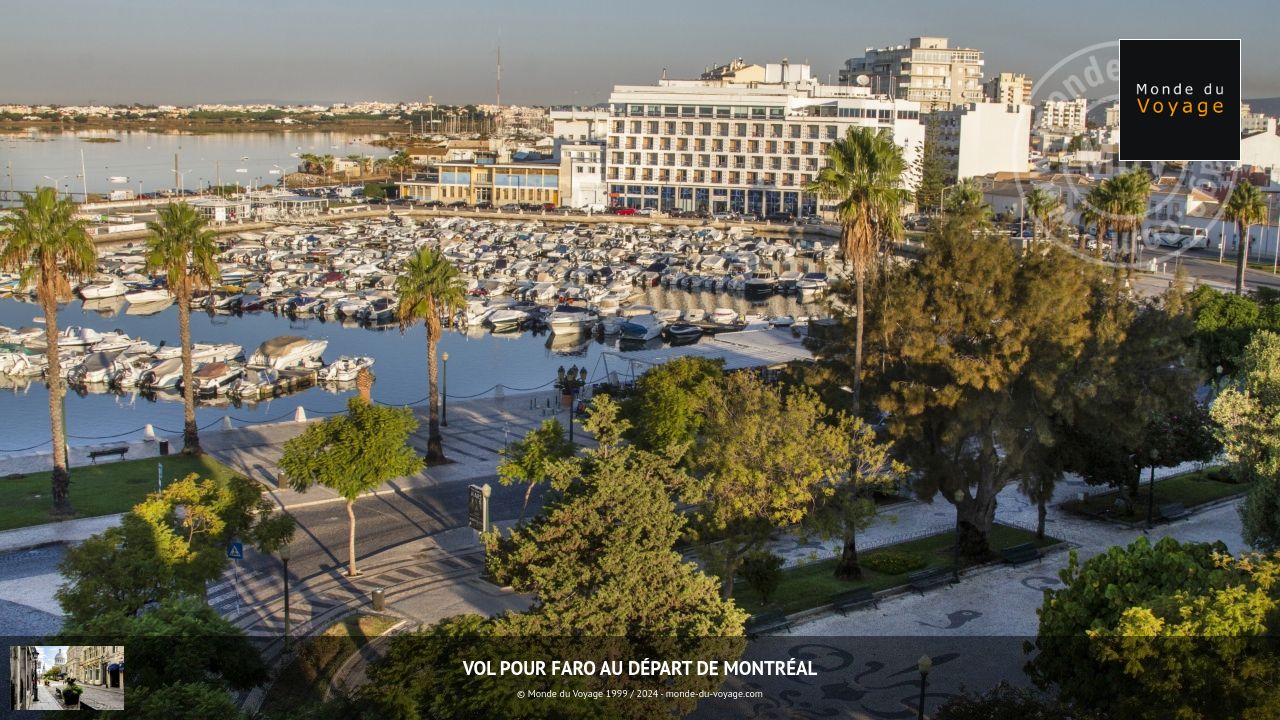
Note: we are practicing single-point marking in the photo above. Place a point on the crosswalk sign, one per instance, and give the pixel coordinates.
(235, 551)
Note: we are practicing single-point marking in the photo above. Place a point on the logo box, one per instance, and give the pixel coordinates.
(1179, 100)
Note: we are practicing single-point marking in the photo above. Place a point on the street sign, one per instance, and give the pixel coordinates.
(235, 551)
(475, 508)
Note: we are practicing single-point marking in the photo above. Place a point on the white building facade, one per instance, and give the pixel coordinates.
(1009, 88)
(744, 138)
(926, 71)
(1063, 116)
(984, 138)
(582, 183)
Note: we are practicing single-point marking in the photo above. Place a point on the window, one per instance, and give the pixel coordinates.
(704, 128)
(706, 111)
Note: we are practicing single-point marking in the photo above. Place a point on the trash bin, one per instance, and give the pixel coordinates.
(164, 447)
(379, 598)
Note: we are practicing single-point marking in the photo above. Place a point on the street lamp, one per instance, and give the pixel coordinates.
(55, 181)
(569, 384)
(284, 559)
(444, 394)
(1151, 486)
(924, 665)
(958, 496)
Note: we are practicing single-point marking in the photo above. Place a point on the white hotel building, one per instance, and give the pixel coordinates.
(742, 138)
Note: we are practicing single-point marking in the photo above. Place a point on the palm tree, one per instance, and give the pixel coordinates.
(965, 204)
(183, 249)
(1042, 206)
(1246, 208)
(1132, 191)
(863, 176)
(44, 242)
(1097, 212)
(430, 290)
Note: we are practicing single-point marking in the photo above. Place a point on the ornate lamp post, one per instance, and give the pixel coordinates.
(284, 560)
(444, 391)
(1151, 487)
(569, 384)
(924, 665)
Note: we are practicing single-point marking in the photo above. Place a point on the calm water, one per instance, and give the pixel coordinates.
(477, 362)
(36, 158)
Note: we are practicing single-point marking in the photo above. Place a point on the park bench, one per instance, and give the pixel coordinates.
(858, 597)
(767, 621)
(922, 580)
(1174, 511)
(107, 452)
(1018, 554)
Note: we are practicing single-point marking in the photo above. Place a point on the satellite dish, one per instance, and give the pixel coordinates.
(863, 80)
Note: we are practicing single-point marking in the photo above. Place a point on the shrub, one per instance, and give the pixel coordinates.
(762, 572)
(894, 562)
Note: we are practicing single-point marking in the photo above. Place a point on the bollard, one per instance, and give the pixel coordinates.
(148, 433)
(164, 447)
(226, 422)
(379, 598)
(300, 414)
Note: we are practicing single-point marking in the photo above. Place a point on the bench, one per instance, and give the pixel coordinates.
(767, 621)
(922, 580)
(1174, 511)
(858, 597)
(107, 452)
(1018, 554)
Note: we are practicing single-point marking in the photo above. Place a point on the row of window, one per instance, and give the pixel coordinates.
(740, 162)
(795, 131)
(714, 177)
(700, 111)
(752, 147)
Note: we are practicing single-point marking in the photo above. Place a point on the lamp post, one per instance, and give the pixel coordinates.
(1151, 487)
(444, 391)
(570, 383)
(55, 181)
(284, 560)
(924, 665)
(958, 496)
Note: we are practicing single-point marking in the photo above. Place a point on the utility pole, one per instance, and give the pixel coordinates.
(84, 179)
(177, 179)
(217, 174)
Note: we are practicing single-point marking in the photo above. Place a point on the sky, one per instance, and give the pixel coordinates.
(553, 51)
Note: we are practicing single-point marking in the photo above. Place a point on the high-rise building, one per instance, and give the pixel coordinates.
(1009, 88)
(925, 71)
(1112, 119)
(1063, 116)
(741, 138)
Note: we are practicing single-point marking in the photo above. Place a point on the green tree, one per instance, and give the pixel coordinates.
(1044, 208)
(764, 459)
(863, 176)
(1245, 207)
(1005, 702)
(762, 572)
(183, 249)
(1224, 324)
(1163, 631)
(48, 247)
(965, 205)
(665, 413)
(1097, 213)
(430, 290)
(528, 460)
(352, 454)
(1249, 417)
(1131, 192)
(975, 342)
(171, 544)
(933, 172)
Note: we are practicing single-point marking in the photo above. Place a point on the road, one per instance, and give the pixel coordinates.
(1203, 264)
(28, 579)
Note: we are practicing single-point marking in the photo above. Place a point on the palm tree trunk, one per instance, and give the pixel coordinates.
(351, 538)
(57, 389)
(1242, 257)
(859, 322)
(435, 444)
(190, 434)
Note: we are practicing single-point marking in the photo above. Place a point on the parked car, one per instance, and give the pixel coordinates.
(624, 211)
(780, 217)
(510, 207)
(484, 206)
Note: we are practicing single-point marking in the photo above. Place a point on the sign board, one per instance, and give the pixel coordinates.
(476, 508)
(235, 551)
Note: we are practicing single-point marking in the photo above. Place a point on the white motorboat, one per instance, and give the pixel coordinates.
(163, 374)
(214, 378)
(17, 364)
(681, 333)
(694, 315)
(642, 328)
(78, 337)
(202, 352)
(782, 321)
(95, 368)
(254, 383)
(127, 372)
(724, 316)
(103, 287)
(611, 325)
(507, 319)
(570, 319)
(345, 368)
(148, 295)
(667, 315)
(287, 351)
(151, 308)
(812, 285)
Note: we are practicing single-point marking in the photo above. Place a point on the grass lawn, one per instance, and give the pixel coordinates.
(812, 585)
(1190, 489)
(102, 489)
(305, 679)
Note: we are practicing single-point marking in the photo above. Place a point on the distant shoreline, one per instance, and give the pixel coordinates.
(204, 127)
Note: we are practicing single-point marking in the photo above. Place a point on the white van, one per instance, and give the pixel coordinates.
(1182, 236)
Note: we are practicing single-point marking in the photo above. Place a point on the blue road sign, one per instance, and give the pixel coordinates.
(235, 551)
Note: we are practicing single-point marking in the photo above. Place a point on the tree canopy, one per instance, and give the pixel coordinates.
(1250, 432)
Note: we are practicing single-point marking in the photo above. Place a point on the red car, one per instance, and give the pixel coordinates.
(624, 211)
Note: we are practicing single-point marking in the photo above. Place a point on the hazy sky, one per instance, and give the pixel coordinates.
(553, 51)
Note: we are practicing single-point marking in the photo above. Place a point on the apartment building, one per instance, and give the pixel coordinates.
(1009, 88)
(486, 181)
(983, 138)
(926, 70)
(1063, 116)
(741, 138)
(96, 665)
(582, 182)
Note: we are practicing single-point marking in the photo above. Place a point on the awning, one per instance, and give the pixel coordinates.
(113, 667)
